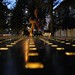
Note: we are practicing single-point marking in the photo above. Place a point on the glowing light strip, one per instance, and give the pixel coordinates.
(50, 43)
(16, 42)
(3, 48)
(59, 2)
(73, 45)
(13, 43)
(31, 45)
(60, 48)
(54, 45)
(33, 54)
(32, 48)
(9, 45)
(62, 42)
(34, 65)
(67, 43)
(26, 50)
(70, 53)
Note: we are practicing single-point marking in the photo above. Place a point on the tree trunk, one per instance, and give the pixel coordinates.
(51, 26)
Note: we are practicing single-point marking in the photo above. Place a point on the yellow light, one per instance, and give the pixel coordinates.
(54, 45)
(34, 65)
(50, 43)
(46, 41)
(70, 53)
(9, 45)
(16, 42)
(32, 48)
(58, 40)
(62, 41)
(3, 48)
(59, 48)
(67, 43)
(73, 45)
(26, 47)
(33, 54)
(31, 45)
(13, 43)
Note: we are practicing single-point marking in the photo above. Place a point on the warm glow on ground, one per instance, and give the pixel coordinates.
(32, 48)
(31, 45)
(49, 43)
(59, 48)
(67, 43)
(13, 43)
(16, 42)
(3, 48)
(33, 54)
(54, 45)
(34, 65)
(9, 45)
(46, 41)
(62, 42)
(26, 50)
(73, 45)
(70, 53)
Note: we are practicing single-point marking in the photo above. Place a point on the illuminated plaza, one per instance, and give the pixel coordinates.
(37, 37)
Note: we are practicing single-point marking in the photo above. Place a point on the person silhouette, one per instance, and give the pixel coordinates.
(34, 21)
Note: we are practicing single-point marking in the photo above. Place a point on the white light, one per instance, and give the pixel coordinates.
(26, 11)
(53, 12)
(10, 28)
(58, 3)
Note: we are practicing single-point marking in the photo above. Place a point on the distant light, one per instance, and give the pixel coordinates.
(10, 14)
(26, 11)
(31, 45)
(10, 29)
(67, 43)
(32, 48)
(28, 27)
(9, 45)
(62, 41)
(33, 54)
(13, 43)
(70, 53)
(73, 45)
(53, 12)
(3, 48)
(59, 48)
(50, 43)
(54, 45)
